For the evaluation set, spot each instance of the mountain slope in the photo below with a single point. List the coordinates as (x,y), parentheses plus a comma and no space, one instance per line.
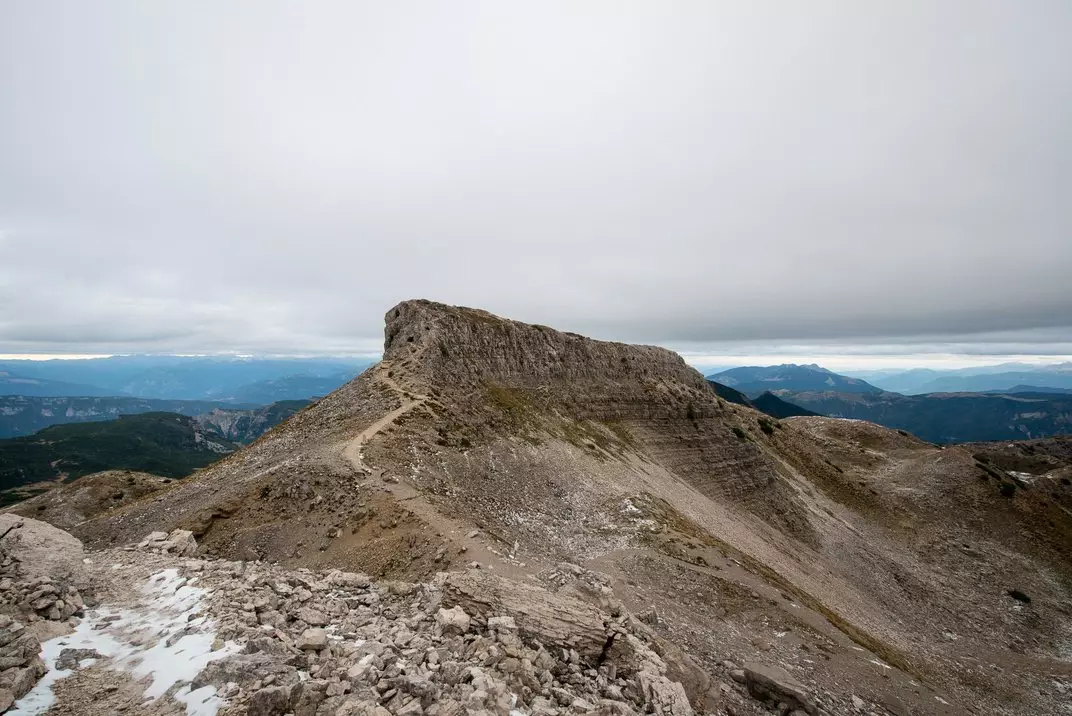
(164,444)
(775,407)
(768,402)
(479,439)
(755,380)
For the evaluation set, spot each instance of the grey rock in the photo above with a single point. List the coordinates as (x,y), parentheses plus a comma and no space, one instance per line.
(453,621)
(313,639)
(272,701)
(773,683)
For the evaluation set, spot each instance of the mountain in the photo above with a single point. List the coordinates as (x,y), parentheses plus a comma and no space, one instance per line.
(981,379)
(768,402)
(291,387)
(949,417)
(180,377)
(775,407)
(727,393)
(245,426)
(14,384)
(165,444)
(1053,377)
(899,381)
(1034,389)
(818,555)
(756,380)
(24,415)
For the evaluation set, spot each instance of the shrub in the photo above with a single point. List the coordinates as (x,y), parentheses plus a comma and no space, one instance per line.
(690,412)
(765,426)
(1008,489)
(739,433)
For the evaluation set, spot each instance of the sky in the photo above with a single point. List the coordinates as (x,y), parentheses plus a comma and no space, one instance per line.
(869,183)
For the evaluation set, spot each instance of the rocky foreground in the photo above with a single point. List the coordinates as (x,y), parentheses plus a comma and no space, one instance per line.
(151,629)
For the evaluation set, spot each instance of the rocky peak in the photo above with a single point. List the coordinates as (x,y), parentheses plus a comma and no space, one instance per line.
(452,345)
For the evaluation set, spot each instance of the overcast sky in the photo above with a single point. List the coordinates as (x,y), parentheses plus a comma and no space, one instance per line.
(823,178)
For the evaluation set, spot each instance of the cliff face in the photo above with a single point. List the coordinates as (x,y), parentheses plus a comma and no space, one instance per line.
(454,347)
(480,439)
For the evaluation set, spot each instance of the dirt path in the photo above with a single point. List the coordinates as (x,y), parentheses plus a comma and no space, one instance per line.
(469,542)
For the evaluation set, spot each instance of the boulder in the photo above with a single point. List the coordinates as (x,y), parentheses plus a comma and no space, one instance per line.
(562,621)
(313,640)
(773,683)
(271,701)
(453,621)
(41,550)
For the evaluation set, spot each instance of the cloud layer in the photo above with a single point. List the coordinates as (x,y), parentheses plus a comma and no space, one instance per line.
(272,177)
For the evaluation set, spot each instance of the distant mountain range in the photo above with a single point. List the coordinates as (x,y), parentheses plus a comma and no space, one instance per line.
(165,444)
(1005,377)
(949,417)
(1016,412)
(225,379)
(25,415)
(756,380)
(767,403)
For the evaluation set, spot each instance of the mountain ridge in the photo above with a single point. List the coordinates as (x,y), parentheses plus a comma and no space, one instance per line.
(516,447)
(756,380)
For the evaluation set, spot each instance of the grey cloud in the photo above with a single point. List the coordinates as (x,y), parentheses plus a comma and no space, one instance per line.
(272,177)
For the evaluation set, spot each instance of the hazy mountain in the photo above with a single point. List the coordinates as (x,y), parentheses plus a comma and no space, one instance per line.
(906,381)
(165,444)
(291,387)
(1053,377)
(1003,376)
(1034,389)
(15,384)
(179,377)
(756,380)
(950,417)
(25,415)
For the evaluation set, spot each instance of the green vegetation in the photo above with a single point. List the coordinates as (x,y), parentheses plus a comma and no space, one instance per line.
(765,426)
(164,444)
(739,433)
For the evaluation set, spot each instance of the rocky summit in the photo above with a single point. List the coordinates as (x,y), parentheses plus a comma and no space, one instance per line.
(502,518)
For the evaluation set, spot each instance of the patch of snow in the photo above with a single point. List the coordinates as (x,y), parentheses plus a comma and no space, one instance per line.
(876,662)
(159,640)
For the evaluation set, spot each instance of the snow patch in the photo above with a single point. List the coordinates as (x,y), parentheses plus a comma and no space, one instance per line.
(160,641)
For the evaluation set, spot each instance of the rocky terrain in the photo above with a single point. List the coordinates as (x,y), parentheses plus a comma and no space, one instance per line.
(166,633)
(66,505)
(808,565)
